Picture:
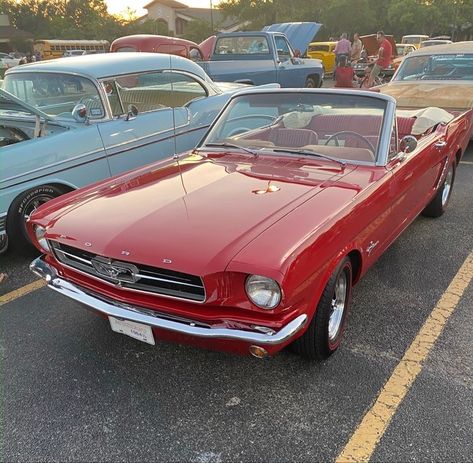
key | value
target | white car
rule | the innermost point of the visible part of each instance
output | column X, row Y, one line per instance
column 8, row 61
column 69, row 53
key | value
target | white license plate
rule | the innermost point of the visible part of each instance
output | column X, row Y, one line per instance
column 134, row 330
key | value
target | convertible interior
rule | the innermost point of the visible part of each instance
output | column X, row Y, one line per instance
column 343, row 136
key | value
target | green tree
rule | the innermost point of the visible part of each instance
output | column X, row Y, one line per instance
column 198, row 30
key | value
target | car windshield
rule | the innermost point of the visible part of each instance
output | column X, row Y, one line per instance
column 55, row 94
column 437, row 67
column 341, row 126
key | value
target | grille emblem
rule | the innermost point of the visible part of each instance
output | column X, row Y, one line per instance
column 119, row 272
column 167, row 261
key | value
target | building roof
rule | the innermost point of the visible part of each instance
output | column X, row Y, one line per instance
column 170, row 3
column 203, row 14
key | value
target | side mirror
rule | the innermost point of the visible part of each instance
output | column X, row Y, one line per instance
column 79, row 113
column 132, row 112
column 408, row 144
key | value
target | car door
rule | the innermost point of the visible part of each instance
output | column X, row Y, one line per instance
column 415, row 176
column 158, row 98
column 289, row 73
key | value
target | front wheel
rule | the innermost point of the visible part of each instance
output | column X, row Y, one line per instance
column 440, row 201
column 325, row 331
column 310, row 83
column 20, row 210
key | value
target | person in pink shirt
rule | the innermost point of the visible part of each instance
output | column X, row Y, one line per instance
column 343, row 48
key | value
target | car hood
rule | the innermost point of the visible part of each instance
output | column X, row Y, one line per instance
column 9, row 102
column 299, row 34
column 422, row 94
column 371, row 44
column 198, row 213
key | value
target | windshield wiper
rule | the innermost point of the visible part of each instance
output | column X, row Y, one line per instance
column 231, row 145
column 309, row 153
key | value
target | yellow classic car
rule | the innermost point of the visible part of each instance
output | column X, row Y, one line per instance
column 324, row 52
column 414, row 39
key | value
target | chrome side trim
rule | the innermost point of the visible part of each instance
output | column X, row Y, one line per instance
column 142, row 315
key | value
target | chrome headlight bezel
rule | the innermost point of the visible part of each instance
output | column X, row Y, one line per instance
column 40, row 232
column 263, row 292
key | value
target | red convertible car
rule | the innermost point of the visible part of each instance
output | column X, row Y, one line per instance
column 253, row 240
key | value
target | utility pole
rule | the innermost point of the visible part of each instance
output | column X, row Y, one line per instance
column 211, row 17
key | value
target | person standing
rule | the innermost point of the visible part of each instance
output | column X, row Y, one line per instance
column 385, row 53
column 343, row 48
column 356, row 47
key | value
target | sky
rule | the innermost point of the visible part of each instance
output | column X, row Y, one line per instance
column 117, row 6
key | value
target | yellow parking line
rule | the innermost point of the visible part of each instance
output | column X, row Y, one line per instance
column 367, row 435
column 21, row 291
column 466, row 162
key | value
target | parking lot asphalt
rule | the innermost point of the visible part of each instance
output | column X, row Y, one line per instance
column 73, row 390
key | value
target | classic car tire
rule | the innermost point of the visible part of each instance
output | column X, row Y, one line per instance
column 310, row 83
column 24, row 204
column 316, row 342
column 439, row 202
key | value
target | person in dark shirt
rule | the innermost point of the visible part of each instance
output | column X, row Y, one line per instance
column 344, row 75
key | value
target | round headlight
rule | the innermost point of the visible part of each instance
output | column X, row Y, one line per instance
column 263, row 292
column 42, row 241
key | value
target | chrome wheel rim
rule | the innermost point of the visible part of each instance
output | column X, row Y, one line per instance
column 338, row 307
column 447, row 186
column 33, row 204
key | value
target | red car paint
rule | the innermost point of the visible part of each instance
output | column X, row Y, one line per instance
column 202, row 214
column 157, row 44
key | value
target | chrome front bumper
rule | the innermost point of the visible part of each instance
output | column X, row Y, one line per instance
column 268, row 337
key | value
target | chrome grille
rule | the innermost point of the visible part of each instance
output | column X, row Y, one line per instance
column 131, row 275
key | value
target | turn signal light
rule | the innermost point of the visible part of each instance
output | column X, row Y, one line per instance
column 258, row 352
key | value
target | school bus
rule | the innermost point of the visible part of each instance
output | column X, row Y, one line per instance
column 50, row 49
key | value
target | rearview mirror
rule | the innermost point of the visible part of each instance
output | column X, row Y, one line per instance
column 132, row 112
column 79, row 113
column 408, row 144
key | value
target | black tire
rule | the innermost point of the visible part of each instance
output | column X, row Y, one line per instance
column 311, row 83
column 22, row 206
column 316, row 343
column 438, row 204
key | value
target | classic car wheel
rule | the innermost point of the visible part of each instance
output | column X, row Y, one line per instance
column 310, row 83
column 439, row 203
column 3, row 243
column 20, row 211
column 325, row 331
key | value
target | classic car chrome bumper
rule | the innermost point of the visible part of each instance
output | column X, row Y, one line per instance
column 268, row 337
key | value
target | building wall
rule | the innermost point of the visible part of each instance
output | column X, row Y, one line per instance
column 164, row 12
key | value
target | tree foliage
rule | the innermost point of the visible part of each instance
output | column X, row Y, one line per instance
column 89, row 19
column 397, row 17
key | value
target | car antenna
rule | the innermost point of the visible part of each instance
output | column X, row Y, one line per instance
column 176, row 155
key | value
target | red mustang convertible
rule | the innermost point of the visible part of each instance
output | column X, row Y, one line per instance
column 254, row 240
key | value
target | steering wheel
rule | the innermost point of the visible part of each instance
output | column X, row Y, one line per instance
column 348, row 132
column 238, row 131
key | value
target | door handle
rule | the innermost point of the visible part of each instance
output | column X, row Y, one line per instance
column 440, row 144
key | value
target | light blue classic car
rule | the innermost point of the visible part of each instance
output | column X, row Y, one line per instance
column 70, row 122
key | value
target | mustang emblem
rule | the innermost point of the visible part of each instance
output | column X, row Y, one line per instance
column 119, row 272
